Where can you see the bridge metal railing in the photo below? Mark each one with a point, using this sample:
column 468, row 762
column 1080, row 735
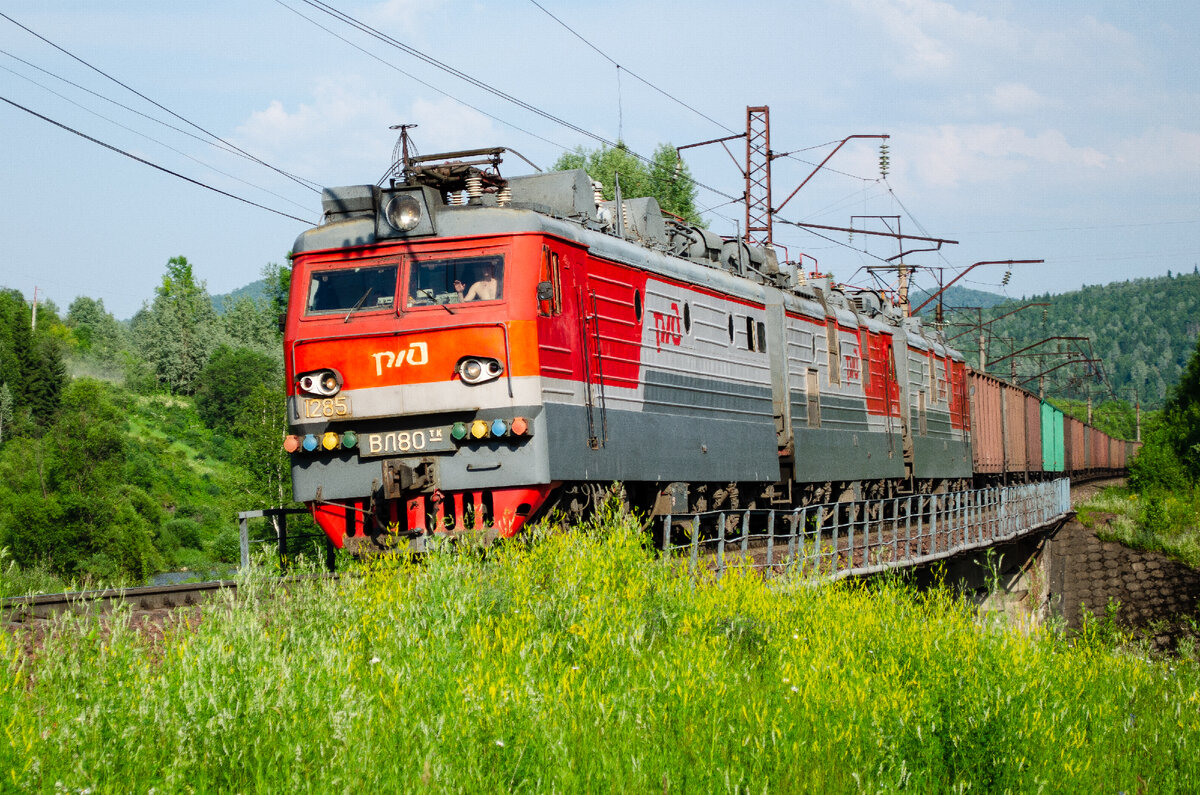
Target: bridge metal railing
column 278, row 519
column 843, row 539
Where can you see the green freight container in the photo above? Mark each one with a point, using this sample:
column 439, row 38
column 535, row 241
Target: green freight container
column 1053, row 451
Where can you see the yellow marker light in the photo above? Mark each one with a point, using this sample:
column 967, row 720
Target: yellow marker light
column 479, row 429
column 330, row 440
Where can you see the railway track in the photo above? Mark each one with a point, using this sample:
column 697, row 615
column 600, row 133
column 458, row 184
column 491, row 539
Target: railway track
column 161, row 598
column 23, row 609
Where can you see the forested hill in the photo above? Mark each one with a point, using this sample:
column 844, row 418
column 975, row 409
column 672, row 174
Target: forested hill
column 1142, row 330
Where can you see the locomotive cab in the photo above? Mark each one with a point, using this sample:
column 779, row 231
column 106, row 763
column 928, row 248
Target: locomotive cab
column 413, row 397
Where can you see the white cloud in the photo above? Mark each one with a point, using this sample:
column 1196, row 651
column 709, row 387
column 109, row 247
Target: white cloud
column 1015, row 98
column 950, row 155
column 1161, row 151
column 932, row 36
column 343, row 134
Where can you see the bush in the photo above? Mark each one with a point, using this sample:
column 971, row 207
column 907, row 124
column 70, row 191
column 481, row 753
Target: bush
column 226, row 546
column 186, row 531
column 1157, row 466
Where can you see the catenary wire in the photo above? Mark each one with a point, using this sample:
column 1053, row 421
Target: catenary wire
column 309, row 184
column 363, row 27
column 163, row 144
column 416, row 79
column 143, row 161
column 625, row 69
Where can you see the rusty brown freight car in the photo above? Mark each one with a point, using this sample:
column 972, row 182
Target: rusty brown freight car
column 1016, row 457
column 1074, row 437
column 1033, row 432
column 987, row 438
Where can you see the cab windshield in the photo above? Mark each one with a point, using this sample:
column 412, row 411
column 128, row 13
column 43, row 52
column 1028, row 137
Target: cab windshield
column 352, row 289
column 453, row 281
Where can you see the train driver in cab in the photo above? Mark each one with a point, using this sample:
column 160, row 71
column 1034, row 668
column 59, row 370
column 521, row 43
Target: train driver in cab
column 482, row 290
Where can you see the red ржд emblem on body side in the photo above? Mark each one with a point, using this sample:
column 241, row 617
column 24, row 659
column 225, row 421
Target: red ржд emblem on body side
column 667, row 328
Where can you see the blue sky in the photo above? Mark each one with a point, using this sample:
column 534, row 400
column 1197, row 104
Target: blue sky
column 1066, row 131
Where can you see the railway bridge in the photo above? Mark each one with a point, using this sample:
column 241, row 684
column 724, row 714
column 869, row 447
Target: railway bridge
column 990, row 541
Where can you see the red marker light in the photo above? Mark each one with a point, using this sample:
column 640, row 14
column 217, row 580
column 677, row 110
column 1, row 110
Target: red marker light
column 519, row 426
column 291, row 443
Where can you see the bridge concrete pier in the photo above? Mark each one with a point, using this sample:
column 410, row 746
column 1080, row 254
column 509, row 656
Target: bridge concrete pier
column 1012, row 578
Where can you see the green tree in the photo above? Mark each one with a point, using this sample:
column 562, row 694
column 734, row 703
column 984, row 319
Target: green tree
column 95, row 330
column 252, row 325
column 176, row 333
column 665, row 177
column 6, row 409
column 226, row 382
column 262, row 425
column 65, row 493
column 279, row 281
column 30, row 363
column 1182, row 414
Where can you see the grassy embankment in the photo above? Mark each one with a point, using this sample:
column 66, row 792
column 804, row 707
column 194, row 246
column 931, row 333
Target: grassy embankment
column 190, row 487
column 1159, row 521
column 582, row 663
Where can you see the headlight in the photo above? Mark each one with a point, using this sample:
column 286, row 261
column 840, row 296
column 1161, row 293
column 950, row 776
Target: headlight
column 323, row 383
column 403, row 213
column 477, row 370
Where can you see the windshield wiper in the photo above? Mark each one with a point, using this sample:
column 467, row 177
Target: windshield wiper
column 358, row 306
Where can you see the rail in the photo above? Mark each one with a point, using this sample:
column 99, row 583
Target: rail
column 846, row 539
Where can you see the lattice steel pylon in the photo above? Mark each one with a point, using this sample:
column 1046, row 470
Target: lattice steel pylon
column 758, row 175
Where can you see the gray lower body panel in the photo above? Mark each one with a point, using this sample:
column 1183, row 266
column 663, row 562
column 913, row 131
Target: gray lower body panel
column 941, row 458
column 823, row 454
column 650, row 446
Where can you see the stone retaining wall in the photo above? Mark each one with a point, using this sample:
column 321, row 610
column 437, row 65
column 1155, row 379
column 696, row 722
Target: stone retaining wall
column 1085, row 572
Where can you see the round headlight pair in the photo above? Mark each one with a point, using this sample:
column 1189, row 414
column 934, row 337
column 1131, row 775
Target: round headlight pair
column 323, row 383
column 403, row 213
column 475, row 370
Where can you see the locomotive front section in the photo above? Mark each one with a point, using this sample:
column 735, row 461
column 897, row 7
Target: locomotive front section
column 414, row 399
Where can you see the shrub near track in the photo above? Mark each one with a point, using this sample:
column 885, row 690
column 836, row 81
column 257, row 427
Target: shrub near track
column 583, row 663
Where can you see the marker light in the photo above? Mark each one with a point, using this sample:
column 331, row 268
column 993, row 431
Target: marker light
column 291, row 443
column 479, row 429
column 498, row 427
column 330, row 440
column 458, row 431
column 519, row 426
column 349, row 440
column 310, row 443
column 403, row 213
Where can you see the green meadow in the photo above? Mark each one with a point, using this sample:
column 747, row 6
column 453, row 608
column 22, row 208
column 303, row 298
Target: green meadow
column 583, row 662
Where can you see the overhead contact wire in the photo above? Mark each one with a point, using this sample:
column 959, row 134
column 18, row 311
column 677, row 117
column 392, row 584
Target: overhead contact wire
column 143, row 161
column 309, row 184
column 140, row 134
column 634, row 75
column 416, row 79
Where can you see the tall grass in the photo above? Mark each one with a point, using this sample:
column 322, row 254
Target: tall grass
column 583, row 663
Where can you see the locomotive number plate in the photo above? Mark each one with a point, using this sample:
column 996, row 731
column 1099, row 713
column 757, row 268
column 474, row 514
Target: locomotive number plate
column 326, row 408
column 422, row 440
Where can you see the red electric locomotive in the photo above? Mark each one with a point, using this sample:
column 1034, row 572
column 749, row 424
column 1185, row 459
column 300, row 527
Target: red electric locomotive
column 465, row 350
